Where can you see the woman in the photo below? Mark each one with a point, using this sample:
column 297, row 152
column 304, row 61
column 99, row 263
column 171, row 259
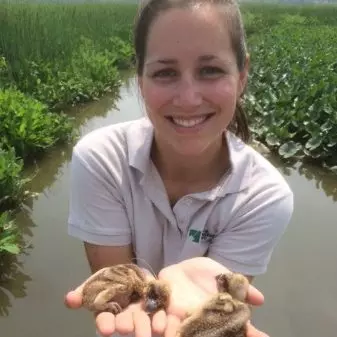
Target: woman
column 180, row 190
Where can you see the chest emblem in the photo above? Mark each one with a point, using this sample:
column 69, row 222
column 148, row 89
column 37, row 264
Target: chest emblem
column 198, row 236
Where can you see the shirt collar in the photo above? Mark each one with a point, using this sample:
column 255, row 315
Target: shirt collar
column 139, row 141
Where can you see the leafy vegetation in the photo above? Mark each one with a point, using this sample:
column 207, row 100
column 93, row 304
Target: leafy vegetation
column 51, row 56
column 12, row 192
column 27, row 126
column 8, row 235
column 12, row 186
column 292, row 95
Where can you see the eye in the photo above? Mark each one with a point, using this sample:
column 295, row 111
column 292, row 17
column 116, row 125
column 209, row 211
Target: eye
column 211, row 71
column 164, row 73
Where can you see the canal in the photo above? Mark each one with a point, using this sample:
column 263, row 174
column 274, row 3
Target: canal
column 300, row 287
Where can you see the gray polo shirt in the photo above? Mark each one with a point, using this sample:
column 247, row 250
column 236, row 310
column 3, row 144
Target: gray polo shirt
column 117, row 197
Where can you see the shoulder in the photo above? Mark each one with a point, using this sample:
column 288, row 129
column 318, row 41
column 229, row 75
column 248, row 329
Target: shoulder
column 251, row 171
column 111, row 145
column 258, row 185
column 266, row 176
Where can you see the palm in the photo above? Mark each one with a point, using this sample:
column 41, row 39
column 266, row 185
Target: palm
column 192, row 282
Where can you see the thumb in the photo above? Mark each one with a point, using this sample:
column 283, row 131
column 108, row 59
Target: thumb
column 254, row 296
column 73, row 300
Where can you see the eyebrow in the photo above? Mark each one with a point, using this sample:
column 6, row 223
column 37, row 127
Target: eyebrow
column 203, row 58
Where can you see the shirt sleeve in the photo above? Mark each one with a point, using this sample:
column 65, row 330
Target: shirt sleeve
column 97, row 213
column 247, row 244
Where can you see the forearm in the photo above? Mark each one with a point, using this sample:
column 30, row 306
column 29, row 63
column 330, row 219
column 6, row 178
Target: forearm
column 104, row 256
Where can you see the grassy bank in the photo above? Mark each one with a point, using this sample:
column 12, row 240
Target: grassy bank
column 52, row 56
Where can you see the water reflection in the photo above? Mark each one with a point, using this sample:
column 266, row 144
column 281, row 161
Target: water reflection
column 12, row 282
column 321, row 178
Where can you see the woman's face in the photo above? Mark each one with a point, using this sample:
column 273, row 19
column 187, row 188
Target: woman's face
column 190, row 83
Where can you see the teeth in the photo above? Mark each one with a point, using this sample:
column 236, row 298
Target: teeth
column 188, row 123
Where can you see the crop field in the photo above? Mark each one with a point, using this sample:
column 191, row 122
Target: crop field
column 56, row 55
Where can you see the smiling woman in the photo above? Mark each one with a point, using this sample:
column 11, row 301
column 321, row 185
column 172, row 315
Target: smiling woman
column 190, row 86
column 183, row 176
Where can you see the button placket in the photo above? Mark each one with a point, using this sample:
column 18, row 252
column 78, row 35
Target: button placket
column 183, row 213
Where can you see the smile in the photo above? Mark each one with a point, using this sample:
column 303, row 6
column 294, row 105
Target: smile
column 190, row 122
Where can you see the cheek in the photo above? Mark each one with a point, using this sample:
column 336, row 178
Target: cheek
column 156, row 96
column 223, row 93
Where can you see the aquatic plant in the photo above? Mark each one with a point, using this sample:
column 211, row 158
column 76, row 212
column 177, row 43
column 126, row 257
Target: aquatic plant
column 292, row 95
column 52, row 55
column 9, row 235
column 12, row 183
column 27, row 126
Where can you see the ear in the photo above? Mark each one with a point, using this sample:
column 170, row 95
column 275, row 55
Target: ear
column 244, row 75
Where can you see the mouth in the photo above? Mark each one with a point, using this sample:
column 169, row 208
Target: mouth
column 190, row 122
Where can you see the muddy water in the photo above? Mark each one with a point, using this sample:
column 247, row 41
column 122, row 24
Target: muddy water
column 300, row 286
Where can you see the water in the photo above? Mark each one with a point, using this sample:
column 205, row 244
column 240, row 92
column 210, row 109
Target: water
column 300, row 286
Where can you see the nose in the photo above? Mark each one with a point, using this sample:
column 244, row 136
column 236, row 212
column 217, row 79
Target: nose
column 188, row 93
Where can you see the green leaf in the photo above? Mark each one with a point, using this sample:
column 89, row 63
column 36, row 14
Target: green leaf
column 333, row 169
column 11, row 248
column 272, row 139
column 314, row 142
column 289, row 149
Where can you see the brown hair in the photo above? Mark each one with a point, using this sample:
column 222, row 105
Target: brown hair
column 150, row 10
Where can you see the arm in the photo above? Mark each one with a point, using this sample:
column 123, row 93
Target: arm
column 97, row 213
column 105, row 256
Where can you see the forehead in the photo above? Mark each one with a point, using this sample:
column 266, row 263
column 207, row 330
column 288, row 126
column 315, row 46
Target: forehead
column 187, row 32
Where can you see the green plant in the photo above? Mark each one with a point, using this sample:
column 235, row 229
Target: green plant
column 4, row 76
column 292, row 100
column 28, row 126
column 12, row 183
column 9, row 235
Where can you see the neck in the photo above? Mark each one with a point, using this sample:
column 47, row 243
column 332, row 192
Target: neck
column 210, row 165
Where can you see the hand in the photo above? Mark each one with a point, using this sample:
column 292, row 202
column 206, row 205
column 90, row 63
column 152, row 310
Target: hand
column 192, row 282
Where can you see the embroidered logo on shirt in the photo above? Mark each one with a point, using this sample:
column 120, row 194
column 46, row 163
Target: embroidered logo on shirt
column 197, row 236
column 194, row 235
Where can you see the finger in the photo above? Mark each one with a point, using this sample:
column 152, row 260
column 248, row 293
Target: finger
column 105, row 323
column 73, row 300
column 253, row 332
column 159, row 322
column 254, row 296
column 172, row 326
column 124, row 322
column 142, row 324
